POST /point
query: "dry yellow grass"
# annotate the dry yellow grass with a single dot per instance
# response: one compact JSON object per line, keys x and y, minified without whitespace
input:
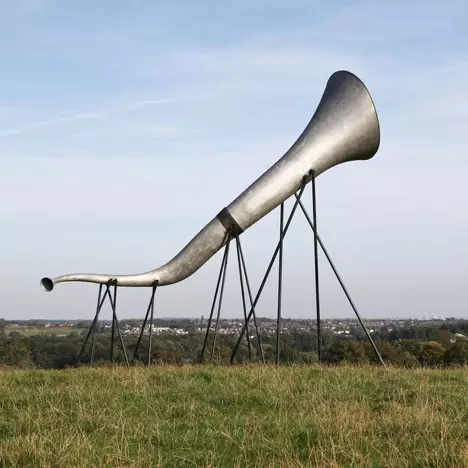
{"x":235,"y":416}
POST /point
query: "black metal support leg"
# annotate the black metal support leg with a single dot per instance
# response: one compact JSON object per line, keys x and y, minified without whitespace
{"x":249,"y":291}
{"x":280,"y":285}
{"x":113,"y":302}
{"x":149,"y":310}
{"x":113,"y":330}
{"x":244,"y":306}
{"x":93,"y":323}
{"x":150,"y":338}
{"x":143,"y":327}
{"x":115,"y":323}
{"x":338,"y":277}
{"x":262,"y":285}
{"x":220,"y":302}
{"x":317,"y":289}
{"x":118,"y":326}
{"x":221,"y":270}
{"x":92,"y":329}
{"x":107,"y":293}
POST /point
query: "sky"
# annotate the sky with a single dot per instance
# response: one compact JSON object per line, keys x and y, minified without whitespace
{"x":125,"y":127}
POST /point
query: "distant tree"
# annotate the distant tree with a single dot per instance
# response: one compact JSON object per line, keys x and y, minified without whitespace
{"x":409,"y":353}
{"x":444,"y":337}
{"x":289,"y":354}
{"x":407,"y":359}
{"x":413,"y":347}
{"x":308,"y":357}
{"x":347,"y":350}
{"x":432,"y":354}
{"x":391,"y":354}
{"x":457,"y":353}
{"x":17,"y":354}
{"x":83,"y":324}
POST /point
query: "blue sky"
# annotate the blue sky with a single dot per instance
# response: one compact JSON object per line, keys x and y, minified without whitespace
{"x":126,"y":126}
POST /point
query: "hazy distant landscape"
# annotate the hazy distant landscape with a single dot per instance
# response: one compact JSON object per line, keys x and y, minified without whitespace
{"x":403,"y":343}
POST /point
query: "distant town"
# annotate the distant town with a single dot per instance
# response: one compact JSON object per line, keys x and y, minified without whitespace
{"x":183,"y":326}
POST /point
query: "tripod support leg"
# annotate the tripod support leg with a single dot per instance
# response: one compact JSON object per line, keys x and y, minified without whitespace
{"x":221,"y":271}
{"x":150,"y":348}
{"x":113,"y":303}
{"x":280,"y":285}
{"x":262,"y":285}
{"x":249,"y":291}
{"x":317,"y":289}
{"x":220,"y":302}
{"x":244,"y":306}
{"x":93,"y":324}
{"x":149,"y":310}
{"x":311,"y":224}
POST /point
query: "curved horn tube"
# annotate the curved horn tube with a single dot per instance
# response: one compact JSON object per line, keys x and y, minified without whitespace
{"x":344,"y":127}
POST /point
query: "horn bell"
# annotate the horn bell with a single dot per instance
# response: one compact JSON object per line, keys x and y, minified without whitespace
{"x":344,"y":127}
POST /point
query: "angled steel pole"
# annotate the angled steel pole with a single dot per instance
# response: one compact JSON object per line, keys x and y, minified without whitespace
{"x":220,"y":302}
{"x":91,"y":328}
{"x":280,"y":284}
{"x":221,"y":270}
{"x":262,"y":355}
{"x":244,"y":306}
{"x":144,"y":322}
{"x":335,"y":271}
{"x":107,"y":293}
{"x":267,"y":273}
{"x":317,"y":289}
{"x":113,"y":327}
{"x":114,"y":313}
{"x":150,"y":347}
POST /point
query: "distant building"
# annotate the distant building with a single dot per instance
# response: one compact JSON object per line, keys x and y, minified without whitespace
{"x":458,"y":337}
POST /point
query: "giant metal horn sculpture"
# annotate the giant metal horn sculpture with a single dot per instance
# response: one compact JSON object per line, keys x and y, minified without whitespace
{"x":345,"y":127}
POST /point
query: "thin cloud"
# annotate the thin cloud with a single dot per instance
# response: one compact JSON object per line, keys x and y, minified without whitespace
{"x":150,"y":102}
{"x":80,"y":116}
{"x":65,"y":117}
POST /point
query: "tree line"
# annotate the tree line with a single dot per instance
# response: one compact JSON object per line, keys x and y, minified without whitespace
{"x":412,"y":346}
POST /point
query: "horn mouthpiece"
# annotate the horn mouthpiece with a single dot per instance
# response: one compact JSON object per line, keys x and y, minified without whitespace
{"x":47,"y":284}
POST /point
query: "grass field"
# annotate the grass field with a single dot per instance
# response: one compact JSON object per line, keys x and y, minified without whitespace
{"x":234,"y":416}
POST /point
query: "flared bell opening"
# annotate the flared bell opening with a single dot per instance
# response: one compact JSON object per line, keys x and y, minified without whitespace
{"x":47,"y":284}
{"x":342,"y":74}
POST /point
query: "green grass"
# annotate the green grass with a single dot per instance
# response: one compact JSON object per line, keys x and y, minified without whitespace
{"x":234,"y":416}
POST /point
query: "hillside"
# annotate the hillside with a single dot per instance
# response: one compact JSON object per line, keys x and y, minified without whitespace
{"x":234,"y":416}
